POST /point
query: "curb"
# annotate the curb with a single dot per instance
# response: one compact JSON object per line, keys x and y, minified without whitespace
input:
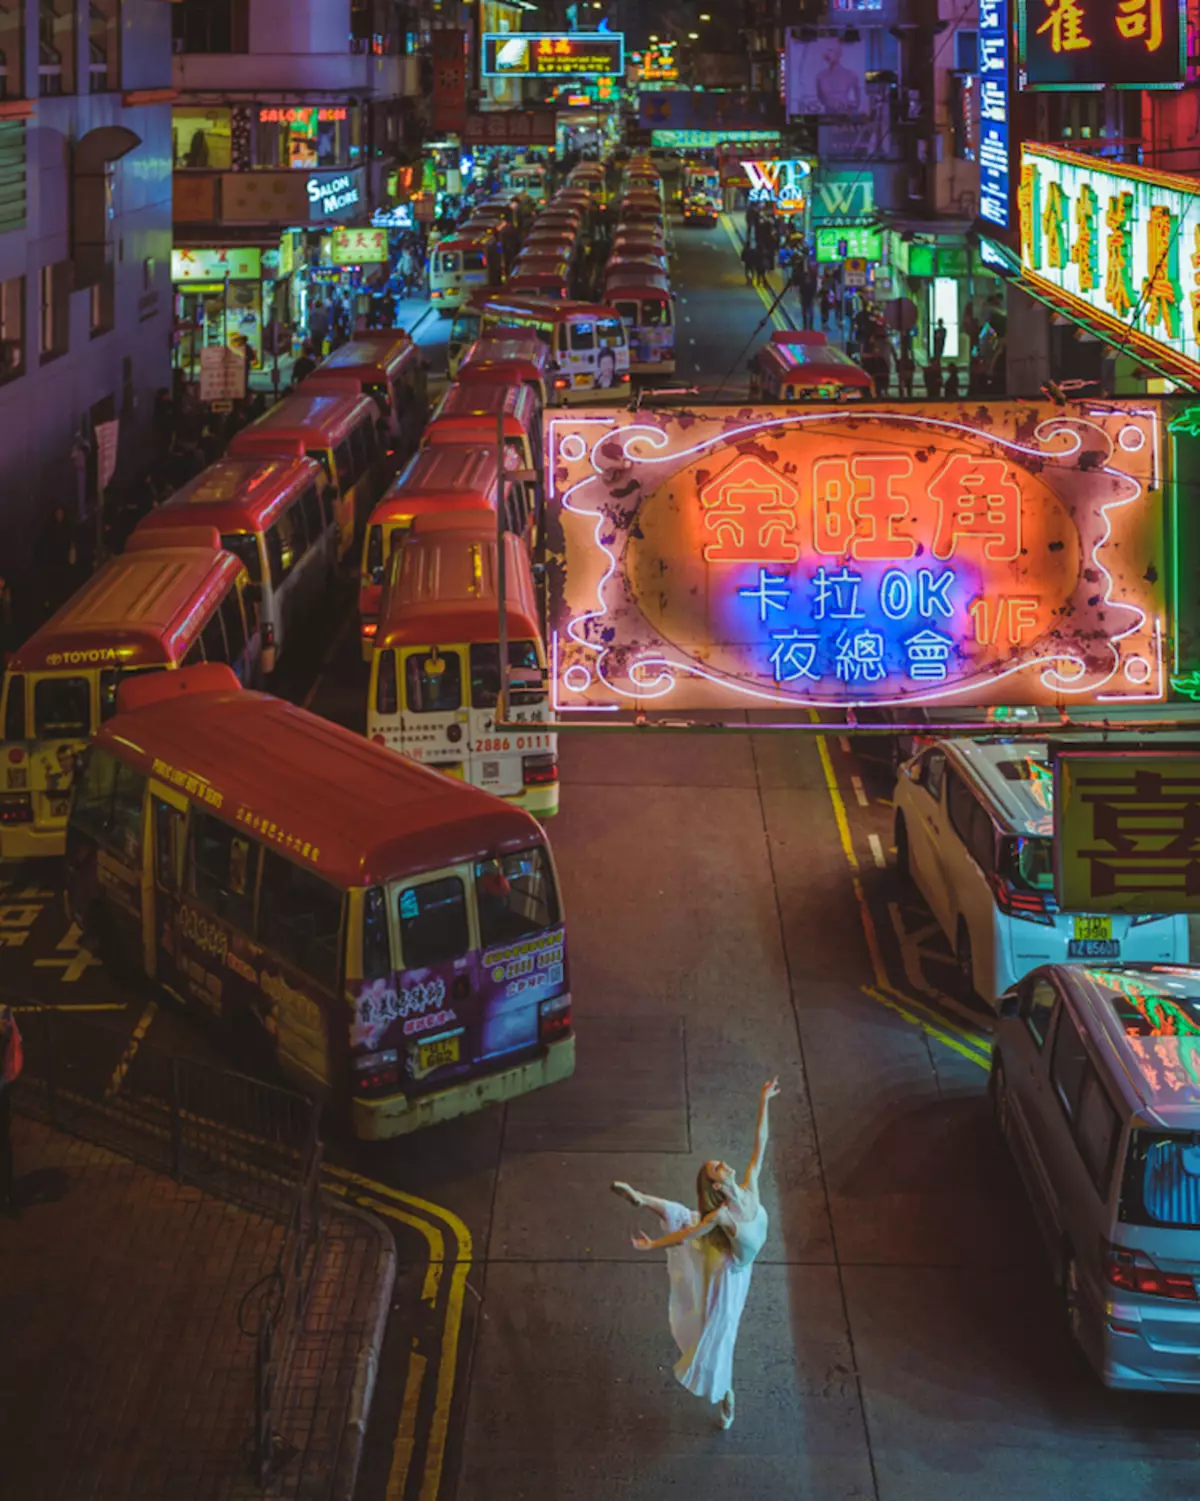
{"x":345,"y":1474}
{"x":411,"y":331}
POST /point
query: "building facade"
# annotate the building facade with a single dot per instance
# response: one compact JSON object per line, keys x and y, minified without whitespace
{"x":85,"y":242}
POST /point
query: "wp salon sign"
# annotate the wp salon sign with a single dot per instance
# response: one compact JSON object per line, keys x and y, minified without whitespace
{"x":987,"y":554}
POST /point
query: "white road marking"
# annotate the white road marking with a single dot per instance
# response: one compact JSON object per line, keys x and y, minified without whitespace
{"x":843,"y":745}
{"x":860,"y":795}
{"x":877,"y":851}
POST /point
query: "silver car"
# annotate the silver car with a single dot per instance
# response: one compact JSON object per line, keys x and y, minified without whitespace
{"x":1096,"y":1087}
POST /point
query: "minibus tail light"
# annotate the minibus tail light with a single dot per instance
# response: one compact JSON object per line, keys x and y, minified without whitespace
{"x":539,"y":771}
{"x":374,"y":1071}
{"x":16,"y":807}
{"x":554,"y":1019}
{"x":1134,"y":1272}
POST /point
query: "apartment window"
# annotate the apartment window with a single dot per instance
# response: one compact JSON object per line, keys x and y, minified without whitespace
{"x":202,"y":139}
{"x":54,"y":288}
{"x":103,"y":301}
{"x":56,"y":48}
{"x":211,"y":26}
{"x":12,"y":328}
{"x":104,"y":46}
{"x":12,"y":50}
{"x":966,"y":52}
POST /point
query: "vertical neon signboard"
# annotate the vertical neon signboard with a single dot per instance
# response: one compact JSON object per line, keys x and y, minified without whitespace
{"x":996,"y":554}
{"x":995,"y":174}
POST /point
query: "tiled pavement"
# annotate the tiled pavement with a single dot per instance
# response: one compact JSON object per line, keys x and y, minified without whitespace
{"x":123,"y":1374}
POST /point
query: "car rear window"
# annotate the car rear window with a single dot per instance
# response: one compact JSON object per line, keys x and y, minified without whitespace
{"x":1161,"y":1183}
{"x":1028,"y":863}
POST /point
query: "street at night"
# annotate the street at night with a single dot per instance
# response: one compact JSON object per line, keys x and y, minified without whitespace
{"x":734,"y":915}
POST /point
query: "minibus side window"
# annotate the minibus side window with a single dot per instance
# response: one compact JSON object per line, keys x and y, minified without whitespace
{"x":385,"y":684}
{"x":433,"y":692}
{"x":275,"y":557}
{"x":14,"y":708}
{"x":345,"y":465}
{"x":311,"y":507}
{"x":362,"y":448}
{"x":376,"y":949}
{"x":62,"y":709}
{"x":195,"y":654}
{"x":300,"y":918}
{"x":125,"y":828}
{"x":375,"y":553}
{"x":1068,"y":1062}
{"x":433,"y":923}
{"x":223,"y":870}
{"x":1096,"y":1132}
{"x":213,"y":637}
{"x":244,"y":547}
{"x":322,"y":457}
{"x":235,"y":625}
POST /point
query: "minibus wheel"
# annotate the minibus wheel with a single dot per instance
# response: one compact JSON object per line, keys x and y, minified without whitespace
{"x":903,"y":867}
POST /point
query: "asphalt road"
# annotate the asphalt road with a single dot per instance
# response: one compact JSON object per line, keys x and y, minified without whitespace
{"x":732,"y":915}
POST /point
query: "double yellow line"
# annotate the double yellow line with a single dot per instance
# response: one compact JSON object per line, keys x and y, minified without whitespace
{"x":767,"y":294}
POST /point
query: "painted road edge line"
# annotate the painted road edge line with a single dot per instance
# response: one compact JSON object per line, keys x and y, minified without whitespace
{"x":928,"y":1028}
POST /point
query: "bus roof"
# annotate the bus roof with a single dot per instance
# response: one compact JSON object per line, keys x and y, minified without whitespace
{"x":143,"y":609}
{"x":544,"y":308}
{"x":235,"y":495}
{"x":448,"y":472}
{"x":807,"y":363}
{"x":485,"y":401}
{"x":491,"y":359}
{"x":636,"y":281}
{"x":293,"y":423}
{"x":364,"y":358}
{"x":441,"y":587}
{"x":363,"y":814}
{"x":460,"y":242}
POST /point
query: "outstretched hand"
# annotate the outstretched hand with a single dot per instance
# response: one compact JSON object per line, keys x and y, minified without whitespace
{"x":770,"y":1089}
{"x":641,"y":1241}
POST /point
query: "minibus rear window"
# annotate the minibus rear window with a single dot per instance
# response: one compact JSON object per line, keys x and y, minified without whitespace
{"x":516,"y":897}
{"x":1161,"y":1185}
{"x":610,"y":334}
{"x":656,"y":312}
{"x":433,"y":684}
{"x":62,"y":709}
{"x":1028,"y":863}
{"x":244,"y":547}
{"x":485,"y":673}
{"x":448,"y":261}
{"x":473,"y":260}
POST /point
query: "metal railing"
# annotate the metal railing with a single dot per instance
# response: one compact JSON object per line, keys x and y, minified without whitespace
{"x":243,"y":1140}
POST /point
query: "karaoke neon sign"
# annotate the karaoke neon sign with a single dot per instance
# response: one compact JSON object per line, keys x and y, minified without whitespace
{"x":865,"y":556}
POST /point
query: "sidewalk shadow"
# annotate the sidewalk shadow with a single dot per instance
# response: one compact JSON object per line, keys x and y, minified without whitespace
{"x":44,"y":1185}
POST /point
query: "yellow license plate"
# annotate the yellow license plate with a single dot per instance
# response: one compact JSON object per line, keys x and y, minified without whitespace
{"x":436,"y":1054}
{"x":450,"y":769}
{"x":583,"y":380}
{"x":1090,"y":929}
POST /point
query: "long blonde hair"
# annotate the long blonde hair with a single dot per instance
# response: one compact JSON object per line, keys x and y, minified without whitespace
{"x":710,"y":1197}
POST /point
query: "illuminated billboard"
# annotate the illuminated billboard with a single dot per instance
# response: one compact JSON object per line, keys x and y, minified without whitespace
{"x":1119,"y":245}
{"x":1101,"y":44}
{"x":999,"y":553}
{"x":540,"y":54}
{"x":995,"y":168}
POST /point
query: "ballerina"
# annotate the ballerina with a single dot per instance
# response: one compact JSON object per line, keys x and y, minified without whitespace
{"x":710,"y":1255}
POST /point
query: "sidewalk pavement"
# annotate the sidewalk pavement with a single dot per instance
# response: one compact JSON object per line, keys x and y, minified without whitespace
{"x":410,"y":314}
{"x":125,"y":1375}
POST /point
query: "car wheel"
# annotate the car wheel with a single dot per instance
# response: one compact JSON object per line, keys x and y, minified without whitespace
{"x":998,"y":1090}
{"x":903,"y":865}
{"x":1072,"y":1298}
{"x":964,"y":962}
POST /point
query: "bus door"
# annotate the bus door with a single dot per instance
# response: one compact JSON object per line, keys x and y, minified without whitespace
{"x":434,"y":719}
{"x":497,"y":757}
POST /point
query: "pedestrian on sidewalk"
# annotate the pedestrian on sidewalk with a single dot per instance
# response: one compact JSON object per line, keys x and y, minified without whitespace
{"x":939,"y":340}
{"x":304,"y":366}
{"x":12,"y":1060}
{"x":748,"y":260}
{"x":710,"y":1256}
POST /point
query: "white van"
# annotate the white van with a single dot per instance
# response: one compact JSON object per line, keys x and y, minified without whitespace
{"x":974,"y":824}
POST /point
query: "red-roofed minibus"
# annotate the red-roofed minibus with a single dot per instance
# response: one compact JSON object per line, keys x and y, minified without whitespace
{"x":460,"y":264}
{"x":435,"y":678}
{"x":539,"y":276}
{"x":396,"y":937}
{"x":643,"y":300}
{"x":166,"y":601}
{"x":800,"y":365}
{"x":507,"y":356}
{"x":342,"y":433}
{"x":442,"y":477}
{"x":468,"y":413}
{"x":588,"y":347}
{"x":389,"y":368}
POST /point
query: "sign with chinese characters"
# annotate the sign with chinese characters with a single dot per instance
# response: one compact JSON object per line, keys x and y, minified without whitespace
{"x":236,"y":263}
{"x":720,"y":559}
{"x":448,"y":48}
{"x":533,"y":54}
{"x":510,"y":127}
{"x":995,"y":168}
{"x":1119,"y":244}
{"x":1127,"y":831}
{"x":1100,"y":44}
{"x":836,"y":242}
{"x":222,"y":373}
{"x":358,"y":247}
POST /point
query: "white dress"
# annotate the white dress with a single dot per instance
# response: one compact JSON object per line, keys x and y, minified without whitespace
{"x":708,"y":1292}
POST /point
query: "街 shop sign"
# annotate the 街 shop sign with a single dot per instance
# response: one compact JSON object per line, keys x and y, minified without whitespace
{"x":1009,"y":554}
{"x":329,"y":195}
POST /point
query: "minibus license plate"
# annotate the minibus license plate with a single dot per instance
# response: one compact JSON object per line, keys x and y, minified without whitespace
{"x":1093,"y":928}
{"x":583,"y":380}
{"x":436,"y":1054}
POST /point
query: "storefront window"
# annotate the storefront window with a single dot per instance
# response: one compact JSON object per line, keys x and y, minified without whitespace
{"x":306,"y":137}
{"x":12,"y":46}
{"x":202,"y":139}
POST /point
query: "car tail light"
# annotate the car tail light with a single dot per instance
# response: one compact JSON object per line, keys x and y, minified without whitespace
{"x":376,"y":1070}
{"x":16,"y":807}
{"x":1134,"y":1272}
{"x":561,"y":382}
{"x":539,"y":771}
{"x":554,"y":1018}
{"x":624,"y":375}
{"x":1017,"y":901}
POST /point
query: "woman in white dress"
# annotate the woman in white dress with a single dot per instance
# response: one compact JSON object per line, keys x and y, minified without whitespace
{"x":710,"y":1255}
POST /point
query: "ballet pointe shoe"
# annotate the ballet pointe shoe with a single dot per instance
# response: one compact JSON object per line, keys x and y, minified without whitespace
{"x":727,"y":1409}
{"x":623,"y":1191}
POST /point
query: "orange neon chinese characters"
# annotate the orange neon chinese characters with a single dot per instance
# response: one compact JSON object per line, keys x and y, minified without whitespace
{"x":1054,"y":225}
{"x":1118,"y":273}
{"x":1065,"y":25}
{"x":1161,"y":289}
{"x":856,"y":507}
{"x":1196,"y":283}
{"x":751,"y":511}
{"x":1141,"y":19}
{"x":977,"y":499}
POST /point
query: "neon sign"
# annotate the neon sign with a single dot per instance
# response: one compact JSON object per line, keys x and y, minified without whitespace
{"x":330,"y":195}
{"x":862,"y":556}
{"x":781,"y":182}
{"x":301,"y":115}
{"x":526,"y":54}
{"x":1121,"y":245}
{"x":995,"y":171}
{"x":1097,"y":44}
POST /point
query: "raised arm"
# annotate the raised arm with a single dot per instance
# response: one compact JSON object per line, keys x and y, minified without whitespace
{"x":769,"y":1091}
{"x":642,"y":1242}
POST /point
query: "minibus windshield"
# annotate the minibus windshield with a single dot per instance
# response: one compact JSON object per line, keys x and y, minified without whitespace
{"x":244,"y":547}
